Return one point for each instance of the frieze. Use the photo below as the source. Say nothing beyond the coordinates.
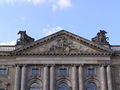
(63, 44)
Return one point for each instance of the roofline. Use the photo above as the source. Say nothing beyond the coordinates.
(7, 45)
(115, 45)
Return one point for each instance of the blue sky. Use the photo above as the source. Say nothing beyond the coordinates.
(43, 17)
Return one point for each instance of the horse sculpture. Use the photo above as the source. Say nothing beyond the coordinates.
(24, 38)
(101, 38)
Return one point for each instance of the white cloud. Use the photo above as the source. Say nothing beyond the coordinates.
(55, 4)
(34, 2)
(9, 43)
(60, 4)
(48, 31)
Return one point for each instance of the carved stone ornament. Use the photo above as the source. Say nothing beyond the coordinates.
(63, 44)
(24, 38)
(101, 38)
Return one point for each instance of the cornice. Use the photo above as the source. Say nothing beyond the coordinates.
(63, 54)
(66, 33)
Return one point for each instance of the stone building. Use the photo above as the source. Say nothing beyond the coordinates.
(61, 61)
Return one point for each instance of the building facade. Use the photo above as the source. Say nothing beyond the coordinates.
(61, 61)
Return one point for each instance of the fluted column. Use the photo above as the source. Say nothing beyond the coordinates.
(17, 78)
(45, 78)
(80, 73)
(103, 78)
(23, 77)
(52, 77)
(74, 77)
(109, 78)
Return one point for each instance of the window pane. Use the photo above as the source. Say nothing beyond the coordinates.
(91, 86)
(3, 71)
(91, 71)
(63, 71)
(35, 71)
(35, 86)
(63, 86)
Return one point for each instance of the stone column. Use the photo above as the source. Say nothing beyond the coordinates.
(45, 78)
(74, 77)
(103, 78)
(23, 77)
(80, 73)
(52, 77)
(17, 78)
(109, 78)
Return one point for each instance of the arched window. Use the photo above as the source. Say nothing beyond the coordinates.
(91, 86)
(63, 86)
(35, 86)
(2, 87)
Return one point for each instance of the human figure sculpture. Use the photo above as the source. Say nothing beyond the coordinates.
(101, 38)
(24, 38)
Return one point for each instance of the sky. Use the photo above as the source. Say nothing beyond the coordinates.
(44, 17)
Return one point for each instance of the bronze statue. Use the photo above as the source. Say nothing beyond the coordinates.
(101, 38)
(24, 38)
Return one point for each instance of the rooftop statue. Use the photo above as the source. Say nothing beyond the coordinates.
(101, 38)
(24, 38)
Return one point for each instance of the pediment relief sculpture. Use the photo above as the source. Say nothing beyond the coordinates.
(62, 44)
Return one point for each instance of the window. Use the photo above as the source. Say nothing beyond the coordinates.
(35, 86)
(3, 71)
(63, 71)
(35, 71)
(91, 71)
(2, 89)
(91, 86)
(63, 86)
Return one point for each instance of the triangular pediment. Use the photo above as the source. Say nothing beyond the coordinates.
(62, 42)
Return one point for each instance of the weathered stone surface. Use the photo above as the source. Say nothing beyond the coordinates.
(60, 50)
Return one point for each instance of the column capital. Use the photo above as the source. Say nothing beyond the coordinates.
(17, 65)
(74, 65)
(109, 65)
(102, 65)
(52, 65)
(22, 65)
(46, 65)
(81, 65)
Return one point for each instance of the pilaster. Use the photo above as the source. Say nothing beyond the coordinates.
(80, 74)
(23, 77)
(45, 78)
(74, 77)
(17, 78)
(109, 78)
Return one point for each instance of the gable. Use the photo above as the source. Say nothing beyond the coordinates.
(62, 42)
